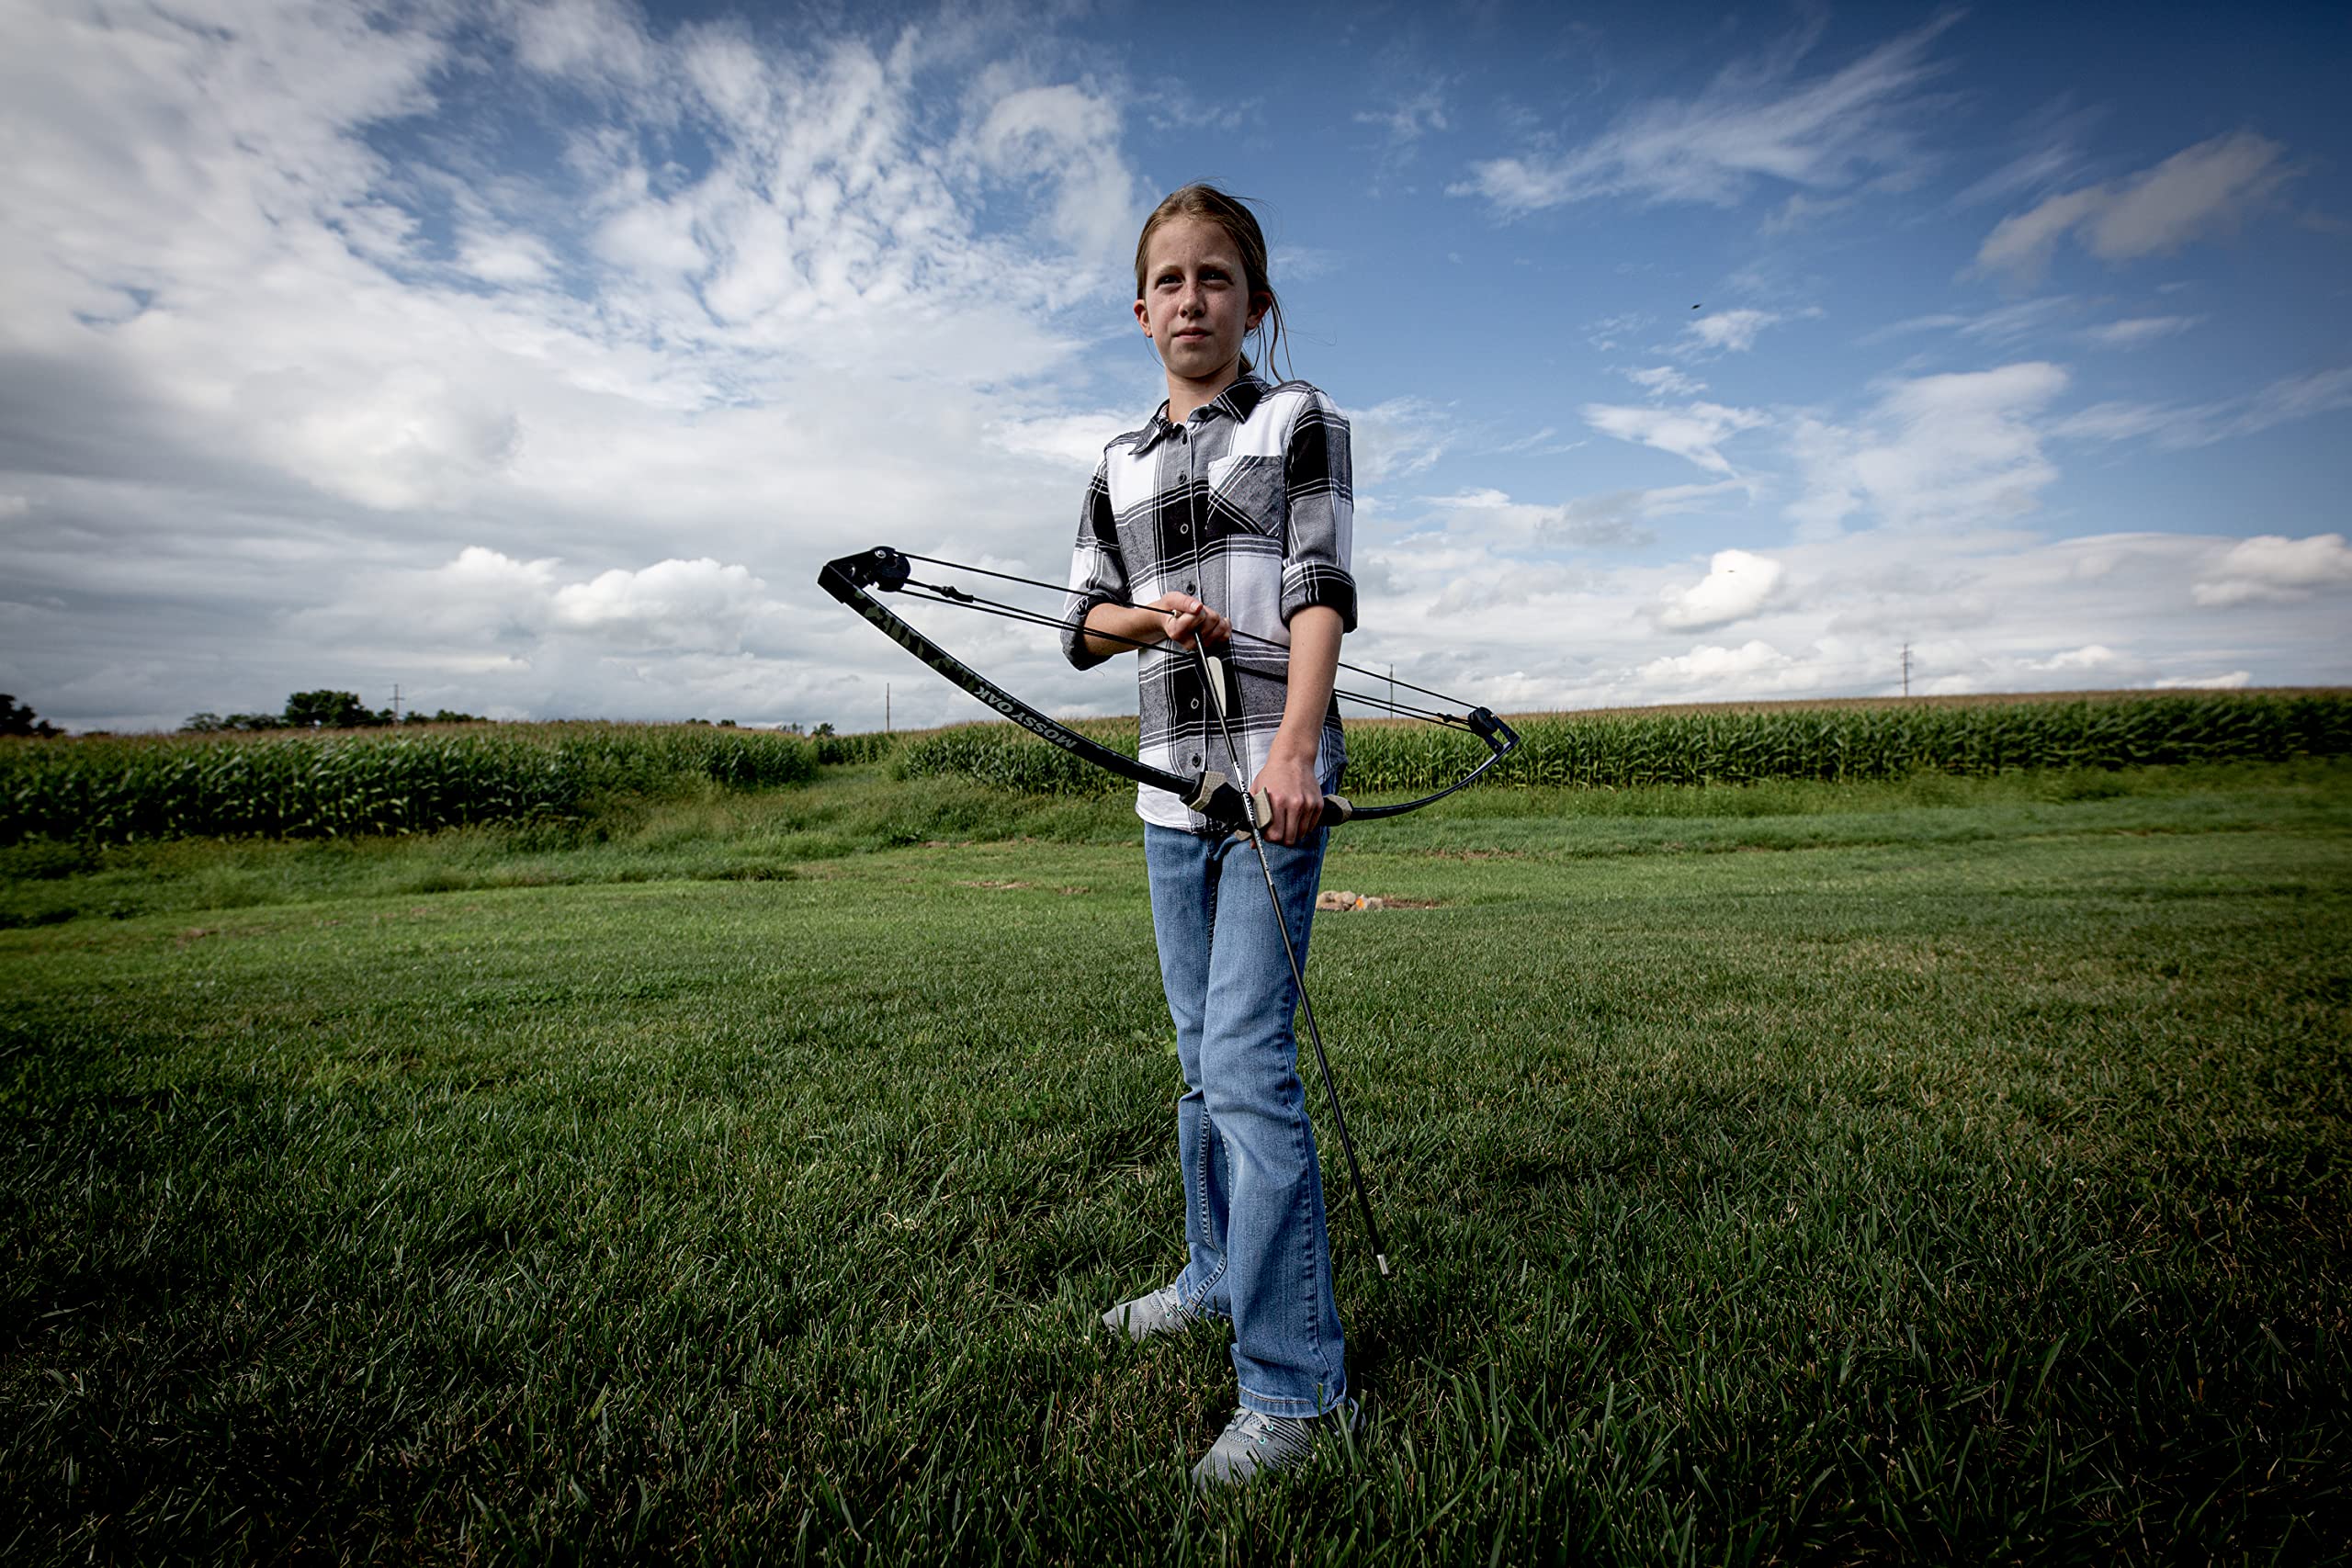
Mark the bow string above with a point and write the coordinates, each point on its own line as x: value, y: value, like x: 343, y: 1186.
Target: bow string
x: 853, y: 579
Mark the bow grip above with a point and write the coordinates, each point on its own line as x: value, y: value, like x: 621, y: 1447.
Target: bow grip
x: 1220, y: 802
x: 1336, y: 808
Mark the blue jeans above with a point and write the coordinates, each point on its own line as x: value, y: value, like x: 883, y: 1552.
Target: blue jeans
x: 1257, y: 1249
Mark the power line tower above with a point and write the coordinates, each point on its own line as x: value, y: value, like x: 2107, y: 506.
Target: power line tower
x: 1906, y: 669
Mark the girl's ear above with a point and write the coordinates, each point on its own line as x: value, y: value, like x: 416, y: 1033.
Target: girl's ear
x: 1260, y: 303
x: 1143, y: 317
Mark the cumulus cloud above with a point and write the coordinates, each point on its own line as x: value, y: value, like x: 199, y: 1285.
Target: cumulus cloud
x: 1752, y: 669
x: 1074, y: 442
x: 484, y: 598
x: 2091, y: 658
x: 2271, y: 567
x: 2207, y: 189
x: 287, y: 370
x: 1961, y: 450
x: 1695, y: 430
x: 2230, y: 681
x: 673, y: 603
x: 1754, y: 123
x: 1737, y: 585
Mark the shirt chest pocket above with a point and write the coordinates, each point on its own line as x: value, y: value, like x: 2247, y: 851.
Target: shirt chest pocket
x: 1246, y: 496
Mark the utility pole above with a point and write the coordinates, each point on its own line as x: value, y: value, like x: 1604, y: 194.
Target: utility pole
x: 886, y: 707
x: 396, y: 702
x: 1906, y: 669
x: 1392, y: 689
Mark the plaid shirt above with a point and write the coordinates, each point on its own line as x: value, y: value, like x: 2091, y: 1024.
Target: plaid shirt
x: 1246, y: 507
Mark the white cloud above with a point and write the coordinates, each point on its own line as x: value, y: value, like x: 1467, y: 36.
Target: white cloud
x: 1066, y: 139
x: 1730, y: 332
x: 1409, y: 118
x: 2271, y: 567
x: 2003, y: 324
x: 1752, y: 669
x: 2184, y: 425
x: 1941, y: 451
x: 2133, y: 331
x: 1608, y: 332
x: 1612, y: 519
x: 2089, y: 658
x: 1074, y: 441
x: 671, y: 604
x: 2209, y: 188
x: 599, y: 42
x: 1398, y: 438
x: 1664, y: 381
x: 286, y: 375
x: 1694, y: 431
x: 2230, y: 681
x: 1736, y: 586
x: 2049, y: 154
x: 1752, y: 123
x: 1468, y: 605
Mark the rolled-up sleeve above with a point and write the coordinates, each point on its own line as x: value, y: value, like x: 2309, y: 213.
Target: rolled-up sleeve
x: 1097, y: 573
x: 1317, y: 473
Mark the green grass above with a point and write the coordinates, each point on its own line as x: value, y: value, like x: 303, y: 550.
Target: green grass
x: 1946, y: 1169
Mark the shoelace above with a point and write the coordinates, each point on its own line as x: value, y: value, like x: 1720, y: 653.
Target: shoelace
x: 1279, y: 1434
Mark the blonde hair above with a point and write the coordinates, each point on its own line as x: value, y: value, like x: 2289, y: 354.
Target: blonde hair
x: 1228, y: 213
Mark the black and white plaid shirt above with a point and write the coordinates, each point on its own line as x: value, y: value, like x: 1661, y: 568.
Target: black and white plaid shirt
x: 1247, y: 506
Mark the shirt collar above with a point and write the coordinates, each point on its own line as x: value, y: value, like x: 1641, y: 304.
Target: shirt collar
x: 1237, y: 402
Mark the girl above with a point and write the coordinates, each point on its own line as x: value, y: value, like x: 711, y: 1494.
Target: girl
x: 1231, y: 508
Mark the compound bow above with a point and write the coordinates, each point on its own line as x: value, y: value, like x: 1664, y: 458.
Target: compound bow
x: 851, y: 578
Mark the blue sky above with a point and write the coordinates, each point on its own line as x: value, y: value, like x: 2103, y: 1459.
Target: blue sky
x: 533, y: 354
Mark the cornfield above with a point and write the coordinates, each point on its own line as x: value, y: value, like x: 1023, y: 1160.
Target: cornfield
x: 873, y: 746
x: 113, y: 790
x: 1009, y: 757
x: 1623, y: 750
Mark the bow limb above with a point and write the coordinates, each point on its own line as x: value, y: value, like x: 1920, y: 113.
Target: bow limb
x: 848, y: 578
x: 1501, y: 741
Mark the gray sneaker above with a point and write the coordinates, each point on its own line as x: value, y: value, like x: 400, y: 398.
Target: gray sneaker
x: 1162, y: 1312
x: 1253, y: 1443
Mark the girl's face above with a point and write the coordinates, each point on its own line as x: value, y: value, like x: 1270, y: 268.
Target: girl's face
x: 1196, y: 306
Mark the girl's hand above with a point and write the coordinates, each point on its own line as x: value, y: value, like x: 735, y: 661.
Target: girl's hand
x: 1294, y: 798
x: 1186, y: 618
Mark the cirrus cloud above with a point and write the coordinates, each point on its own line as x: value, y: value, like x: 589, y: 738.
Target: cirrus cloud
x: 1695, y: 430
x: 2209, y: 188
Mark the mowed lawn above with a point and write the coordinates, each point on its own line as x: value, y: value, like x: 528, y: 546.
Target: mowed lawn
x: 1949, y: 1172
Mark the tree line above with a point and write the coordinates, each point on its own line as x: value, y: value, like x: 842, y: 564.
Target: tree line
x: 322, y: 709
x: 18, y: 719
